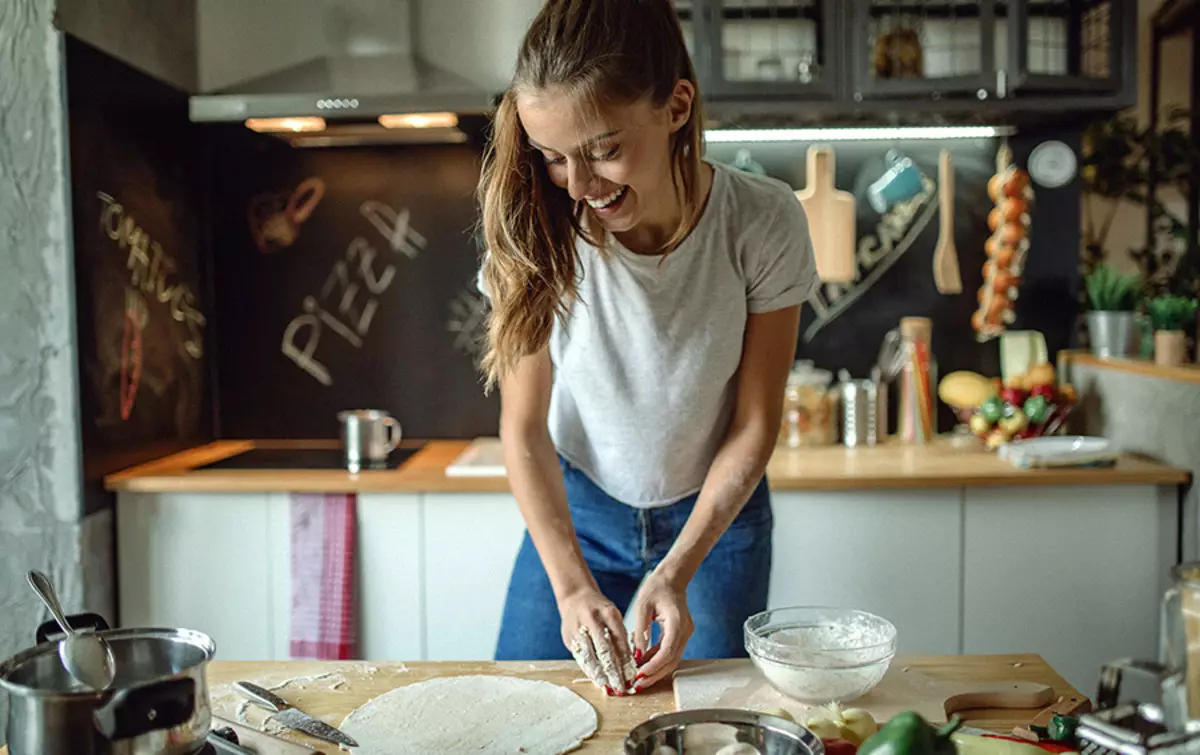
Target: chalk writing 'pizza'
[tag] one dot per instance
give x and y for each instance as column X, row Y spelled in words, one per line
column 347, row 302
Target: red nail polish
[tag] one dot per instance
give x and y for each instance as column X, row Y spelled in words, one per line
column 637, row 655
column 639, row 677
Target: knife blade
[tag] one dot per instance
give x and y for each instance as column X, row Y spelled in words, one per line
column 291, row 717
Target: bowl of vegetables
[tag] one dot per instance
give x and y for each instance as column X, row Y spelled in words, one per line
column 1028, row 405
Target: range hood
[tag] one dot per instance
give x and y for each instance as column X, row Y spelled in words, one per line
column 368, row 69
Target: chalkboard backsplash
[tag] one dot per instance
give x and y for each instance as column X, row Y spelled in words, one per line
column 141, row 302
column 345, row 280
column 344, row 277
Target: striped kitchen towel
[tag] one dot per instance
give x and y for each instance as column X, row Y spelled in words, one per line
column 323, row 577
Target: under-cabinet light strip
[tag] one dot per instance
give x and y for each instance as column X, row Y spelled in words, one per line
column 741, row 136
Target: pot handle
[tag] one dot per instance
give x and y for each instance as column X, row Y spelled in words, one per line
column 135, row 711
column 50, row 628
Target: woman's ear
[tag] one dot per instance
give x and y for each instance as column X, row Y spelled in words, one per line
column 679, row 106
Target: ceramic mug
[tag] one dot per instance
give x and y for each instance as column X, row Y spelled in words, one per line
column 899, row 183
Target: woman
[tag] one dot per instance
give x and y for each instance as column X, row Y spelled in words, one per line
column 644, row 312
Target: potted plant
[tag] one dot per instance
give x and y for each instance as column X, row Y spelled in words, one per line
column 1110, row 322
column 1170, row 314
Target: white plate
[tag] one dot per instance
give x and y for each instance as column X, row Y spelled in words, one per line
column 1059, row 451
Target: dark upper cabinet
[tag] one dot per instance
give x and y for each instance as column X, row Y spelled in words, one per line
column 853, row 56
column 765, row 48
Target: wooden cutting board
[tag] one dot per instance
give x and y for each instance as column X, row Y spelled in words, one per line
column 831, row 219
column 739, row 684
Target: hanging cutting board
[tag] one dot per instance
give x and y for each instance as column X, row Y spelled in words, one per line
column 739, row 684
column 831, row 219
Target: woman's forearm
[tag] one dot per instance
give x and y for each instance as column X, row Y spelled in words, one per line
column 537, row 483
column 736, row 470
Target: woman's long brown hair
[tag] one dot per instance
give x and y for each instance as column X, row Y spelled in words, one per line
column 620, row 51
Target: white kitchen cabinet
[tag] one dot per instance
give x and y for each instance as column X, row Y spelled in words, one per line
column 1074, row 574
column 389, row 577
column 205, row 562
column 471, row 541
column 895, row 553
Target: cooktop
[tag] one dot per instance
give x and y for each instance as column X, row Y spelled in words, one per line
column 304, row 458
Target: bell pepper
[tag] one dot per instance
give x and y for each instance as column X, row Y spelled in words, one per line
column 909, row 734
column 1062, row 728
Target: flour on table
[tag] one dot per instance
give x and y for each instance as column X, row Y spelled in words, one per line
column 481, row 715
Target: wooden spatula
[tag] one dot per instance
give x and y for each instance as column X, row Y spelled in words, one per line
column 945, row 257
column 831, row 219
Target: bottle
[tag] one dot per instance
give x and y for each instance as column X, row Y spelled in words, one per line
column 917, row 411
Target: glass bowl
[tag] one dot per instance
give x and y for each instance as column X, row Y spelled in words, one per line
column 819, row 654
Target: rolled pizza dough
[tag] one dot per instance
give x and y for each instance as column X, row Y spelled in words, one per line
column 480, row 715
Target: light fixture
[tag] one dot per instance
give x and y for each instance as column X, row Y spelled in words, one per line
column 418, row 120
column 742, row 136
column 294, row 124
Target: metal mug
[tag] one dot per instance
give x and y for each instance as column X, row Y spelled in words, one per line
column 368, row 437
column 157, row 705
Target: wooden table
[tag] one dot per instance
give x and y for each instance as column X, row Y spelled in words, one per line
column 361, row 681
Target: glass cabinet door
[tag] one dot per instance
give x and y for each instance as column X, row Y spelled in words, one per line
column 1066, row 45
column 935, row 48
column 766, row 47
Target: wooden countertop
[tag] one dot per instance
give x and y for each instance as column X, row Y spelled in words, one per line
column 941, row 465
column 617, row 715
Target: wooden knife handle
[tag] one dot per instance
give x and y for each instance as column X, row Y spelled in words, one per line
column 1005, row 696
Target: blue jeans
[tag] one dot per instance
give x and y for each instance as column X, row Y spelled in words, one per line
column 621, row 544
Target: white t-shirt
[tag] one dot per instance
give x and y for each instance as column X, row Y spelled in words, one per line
column 646, row 362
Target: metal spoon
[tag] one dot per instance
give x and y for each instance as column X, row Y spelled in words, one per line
column 86, row 656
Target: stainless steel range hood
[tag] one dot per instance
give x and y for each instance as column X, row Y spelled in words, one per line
column 369, row 69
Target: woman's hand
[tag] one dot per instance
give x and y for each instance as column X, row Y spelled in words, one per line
column 660, row 600
column 593, row 630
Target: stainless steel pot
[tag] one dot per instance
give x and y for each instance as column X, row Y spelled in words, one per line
column 157, row 705
column 710, row 729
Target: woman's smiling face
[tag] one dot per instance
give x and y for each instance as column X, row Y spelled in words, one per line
column 614, row 157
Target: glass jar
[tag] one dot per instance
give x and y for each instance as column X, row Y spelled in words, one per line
column 810, row 408
column 916, row 420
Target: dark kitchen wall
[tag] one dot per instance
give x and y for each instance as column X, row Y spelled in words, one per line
column 345, row 280
column 1046, row 300
column 140, row 283
column 344, row 277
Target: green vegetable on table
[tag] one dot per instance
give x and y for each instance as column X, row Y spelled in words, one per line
column 1062, row 728
column 909, row 734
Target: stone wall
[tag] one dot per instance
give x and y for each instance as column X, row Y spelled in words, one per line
column 39, row 451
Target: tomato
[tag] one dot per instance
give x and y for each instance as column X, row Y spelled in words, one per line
column 838, row 747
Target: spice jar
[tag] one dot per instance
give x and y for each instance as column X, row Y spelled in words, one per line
column 810, row 408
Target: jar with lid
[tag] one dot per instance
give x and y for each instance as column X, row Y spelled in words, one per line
column 916, row 420
column 810, row 407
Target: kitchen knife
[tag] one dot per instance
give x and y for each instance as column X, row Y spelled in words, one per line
column 291, row 717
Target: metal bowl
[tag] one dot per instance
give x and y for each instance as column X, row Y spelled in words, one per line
column 706, row 731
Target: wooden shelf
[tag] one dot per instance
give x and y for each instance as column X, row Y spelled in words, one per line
column 1187, row 373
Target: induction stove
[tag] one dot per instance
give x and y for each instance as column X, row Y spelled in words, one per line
column 305, row 458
